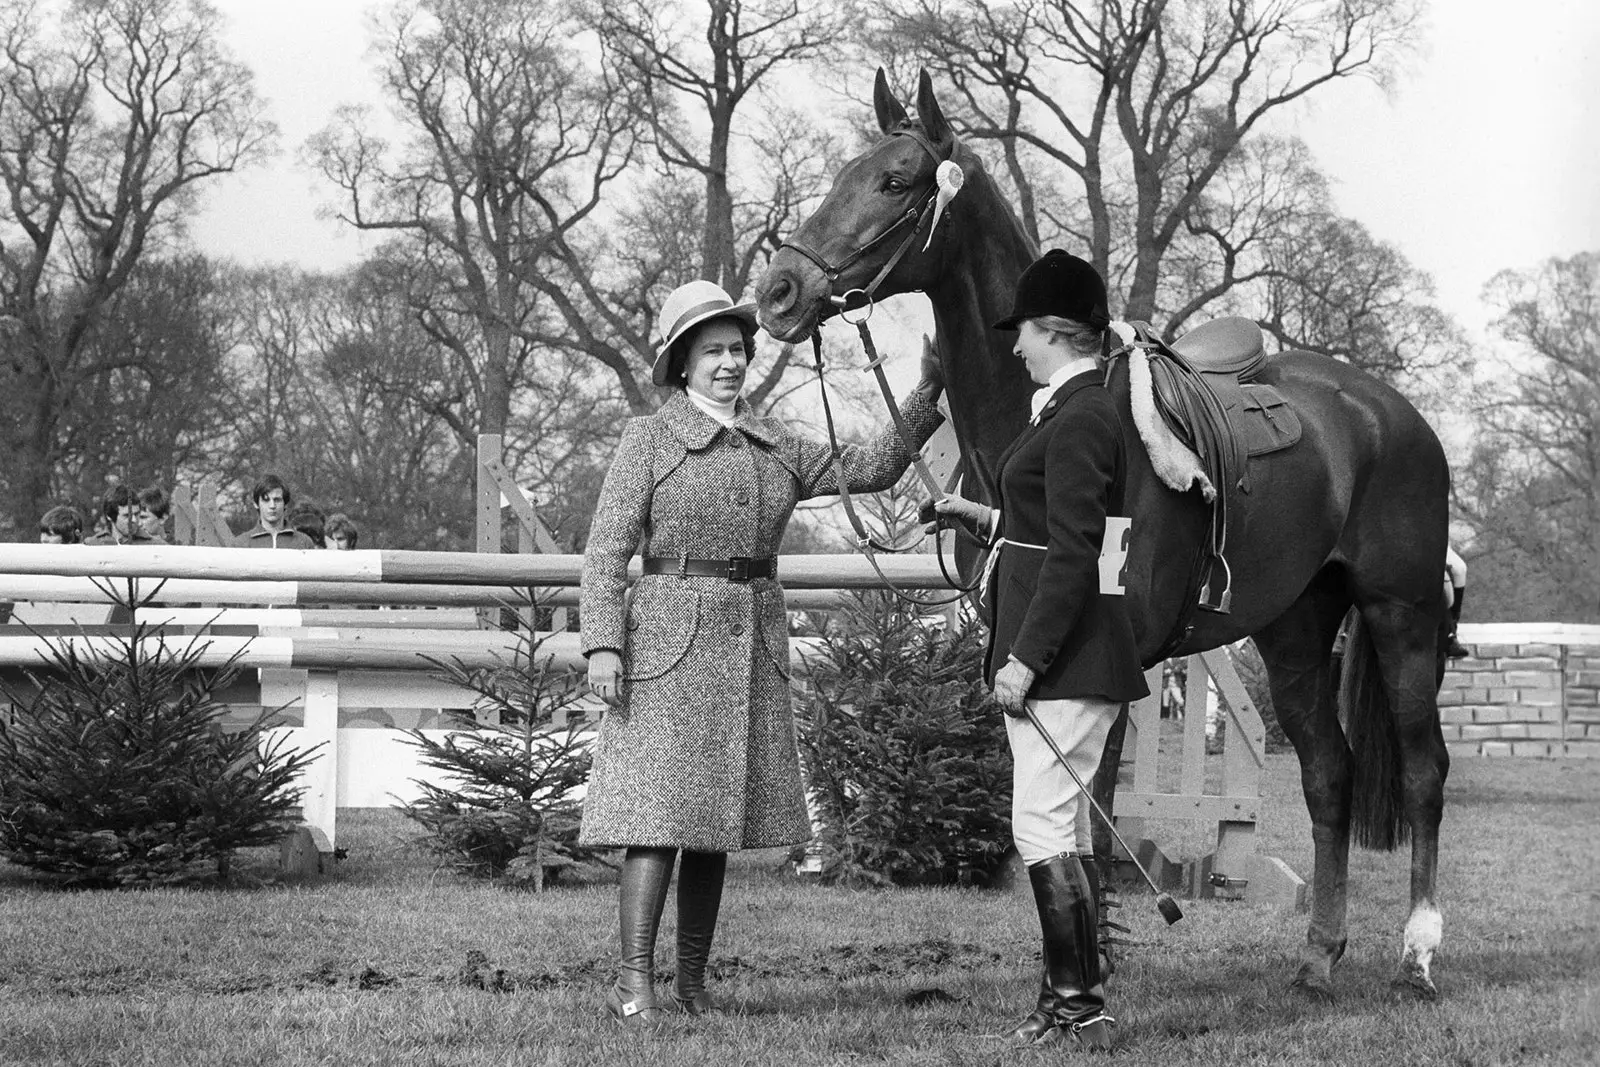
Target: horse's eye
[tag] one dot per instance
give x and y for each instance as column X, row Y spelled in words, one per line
column 895, row 185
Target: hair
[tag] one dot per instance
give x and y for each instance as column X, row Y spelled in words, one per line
column 678, row 359
column 307, row 518
column 340, row 525
column 118, row 498
column 266, row 484
column 1082, row 338
column 63, row 522
column 155, row 499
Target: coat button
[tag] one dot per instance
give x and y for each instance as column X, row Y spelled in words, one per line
column 741, row 498
column 735, row 440
column 736, row 628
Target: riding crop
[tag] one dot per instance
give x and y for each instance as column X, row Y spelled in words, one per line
column 1164, row 903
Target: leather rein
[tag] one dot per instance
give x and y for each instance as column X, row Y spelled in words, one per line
column 864, row 301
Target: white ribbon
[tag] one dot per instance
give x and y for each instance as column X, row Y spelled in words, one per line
column 949, row 178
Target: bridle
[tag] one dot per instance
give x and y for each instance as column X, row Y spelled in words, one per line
column 864, row 299
column 856, row 299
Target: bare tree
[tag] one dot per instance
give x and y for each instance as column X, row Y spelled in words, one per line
column 691, row 71
column 512, row 139
column 1139, row 105
column 1531, row 491
column 111, row 119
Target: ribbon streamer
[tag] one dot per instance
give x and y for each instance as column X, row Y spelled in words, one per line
column 949, row 179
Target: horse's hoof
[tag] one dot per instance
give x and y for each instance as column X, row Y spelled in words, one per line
column 1313, row 984
column 1415, row 984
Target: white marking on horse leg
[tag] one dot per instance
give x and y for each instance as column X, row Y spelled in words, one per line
column 1424, row 931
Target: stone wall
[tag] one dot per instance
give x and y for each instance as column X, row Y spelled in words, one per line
column 1529, row 689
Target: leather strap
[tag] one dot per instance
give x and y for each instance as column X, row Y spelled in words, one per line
column 736, row 569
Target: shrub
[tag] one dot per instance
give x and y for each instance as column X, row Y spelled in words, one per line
column 115, row 768
column 905, row 754
column 510, row 807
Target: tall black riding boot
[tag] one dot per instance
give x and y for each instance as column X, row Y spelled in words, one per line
column 646, row 874
column 1071, row 1000
column 1103, row 904
column 700, row 877
column 1455, row 649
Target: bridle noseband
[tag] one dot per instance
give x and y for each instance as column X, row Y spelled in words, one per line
column 856, row 299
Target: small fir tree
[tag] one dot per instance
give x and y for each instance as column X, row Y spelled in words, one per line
column 905, row 753
column 509, row 805
column 116, row 768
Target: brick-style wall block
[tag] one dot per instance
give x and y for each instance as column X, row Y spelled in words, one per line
column 1529, row 690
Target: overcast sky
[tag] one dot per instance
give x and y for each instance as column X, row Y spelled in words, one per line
column 1487, row 156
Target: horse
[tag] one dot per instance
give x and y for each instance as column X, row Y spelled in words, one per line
column 1354, row 514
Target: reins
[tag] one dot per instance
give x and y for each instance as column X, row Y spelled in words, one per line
column 863, row 300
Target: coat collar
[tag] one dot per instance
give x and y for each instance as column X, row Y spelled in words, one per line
column 697, row 430
column 1087, row 379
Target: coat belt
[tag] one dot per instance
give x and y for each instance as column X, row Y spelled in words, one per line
column 734, row 569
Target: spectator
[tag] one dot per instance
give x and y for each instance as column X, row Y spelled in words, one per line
column 151, row 516
column 342, row 532
column 271, row 498
column 307, row 518
column 120, row 509
column 61, row 525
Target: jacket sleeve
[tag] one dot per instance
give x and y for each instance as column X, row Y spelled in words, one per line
column 1080, row 473
column 614, row 534
column 874, row 466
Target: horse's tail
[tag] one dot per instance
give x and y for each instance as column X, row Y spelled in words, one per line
column 1377, row 803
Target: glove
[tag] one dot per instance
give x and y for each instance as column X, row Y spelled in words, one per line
column 1011, row 685
column 977, row 519
column 605, row 666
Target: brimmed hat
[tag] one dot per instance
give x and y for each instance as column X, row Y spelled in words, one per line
column 686, row 307
column 1059, row 283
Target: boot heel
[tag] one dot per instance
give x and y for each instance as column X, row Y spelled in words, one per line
column 634, row 1012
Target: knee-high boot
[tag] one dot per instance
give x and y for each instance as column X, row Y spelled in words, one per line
column 646, row 874
column 1102, row 906
column 1455, row 649
column 1071, row 999
column 700, row 876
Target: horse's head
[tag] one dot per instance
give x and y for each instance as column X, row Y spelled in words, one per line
column 867, row 238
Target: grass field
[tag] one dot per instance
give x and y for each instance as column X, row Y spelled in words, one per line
column 388, row 963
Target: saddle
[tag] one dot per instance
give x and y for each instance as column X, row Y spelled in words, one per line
column 1205, row 393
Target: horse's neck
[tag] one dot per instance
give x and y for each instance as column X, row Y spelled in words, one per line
column 987, row 387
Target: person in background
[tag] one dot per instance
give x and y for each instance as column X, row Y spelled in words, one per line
column 697, row 756
column 271, row 498
column 342, row 533
column 121, row 510
column 308, row 519
column 61, row 525
column 151, row 515
column 1455, row 588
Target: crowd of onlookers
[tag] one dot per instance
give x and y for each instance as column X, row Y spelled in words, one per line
column 140, row 518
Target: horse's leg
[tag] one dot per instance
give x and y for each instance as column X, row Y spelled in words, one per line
column 1297, row 649
column 1406, row 641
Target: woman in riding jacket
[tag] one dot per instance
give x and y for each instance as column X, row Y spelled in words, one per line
column 1061, row 643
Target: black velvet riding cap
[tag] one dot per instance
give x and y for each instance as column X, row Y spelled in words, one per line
column 1058, row 283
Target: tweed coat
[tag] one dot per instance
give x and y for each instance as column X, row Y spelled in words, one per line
column 700, row 751
column 1058, row 606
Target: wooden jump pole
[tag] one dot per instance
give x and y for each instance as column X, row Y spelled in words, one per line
column 919, row 571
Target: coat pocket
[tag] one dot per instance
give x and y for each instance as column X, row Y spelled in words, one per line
column 772, row 621
column 663, row 621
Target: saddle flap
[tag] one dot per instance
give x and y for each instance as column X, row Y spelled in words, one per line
column 1229, row 345
column 1265, row 420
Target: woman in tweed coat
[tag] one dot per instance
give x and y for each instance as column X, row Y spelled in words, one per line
column 698, row 752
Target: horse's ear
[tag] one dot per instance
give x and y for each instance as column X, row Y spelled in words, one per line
column 891, row 112
column 934, row 124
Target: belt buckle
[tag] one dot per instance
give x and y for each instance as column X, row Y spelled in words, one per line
column 738, row 568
